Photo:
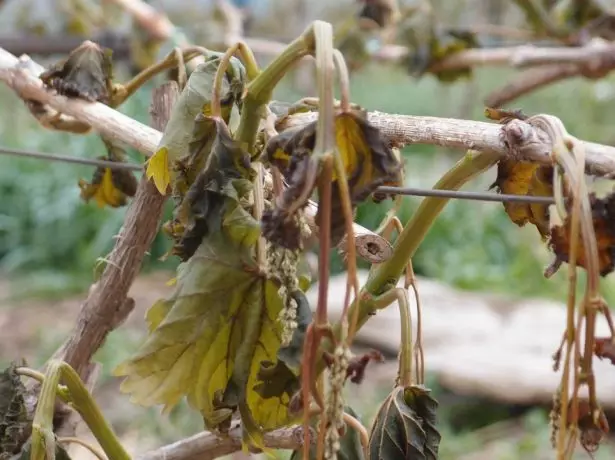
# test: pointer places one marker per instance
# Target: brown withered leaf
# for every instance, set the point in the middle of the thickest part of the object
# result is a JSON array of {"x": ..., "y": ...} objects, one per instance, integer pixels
[
  {"x": 530, "y": 179},
  {"x": 380, "y": 12},
  {"x": 405, "y": 426},
  {"x": 86, "y": 74},
  {"x": 368, "y": 160},
  {"x": 213, "y": 199},
  {"x": 604, "y": 347},
  {"x": 110, "y": 187},
  {"x": 592, "y": 430},
  {"x": 603, "y": 218}
]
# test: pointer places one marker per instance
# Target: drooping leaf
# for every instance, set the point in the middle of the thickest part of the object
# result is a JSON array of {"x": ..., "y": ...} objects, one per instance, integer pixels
[
  {"x": 368, "y": 162},
  {"x": 429, "y": 42},
  {"x": 184, "y": 146},
  {"x": 212, "y": 342},
  {"x": 350, "y": 443},
  {"x": 215, "y": 194},
  {"x": 593, "y": 425},
  {"x": 603, "y": 218},
  {"x": 110, "y": 187},
  {"x": 13, "y": 413},
  {"x": 525, "y": 178},
  {"x": 405, "y": 426},
  {"x": 86, "y": 73}
]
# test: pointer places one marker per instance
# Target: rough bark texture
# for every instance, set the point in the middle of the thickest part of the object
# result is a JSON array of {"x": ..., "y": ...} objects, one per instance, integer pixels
[
  {"x": 206, "y": 446},
  {"x": 107, "y": 305}
]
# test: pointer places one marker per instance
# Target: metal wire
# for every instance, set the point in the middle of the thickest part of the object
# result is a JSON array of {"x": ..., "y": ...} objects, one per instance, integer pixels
[{"x": 410, "y": 191}]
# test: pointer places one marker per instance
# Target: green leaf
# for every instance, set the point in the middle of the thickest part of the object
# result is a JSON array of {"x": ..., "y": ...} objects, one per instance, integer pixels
[
  {"x": 405, "y": 426},
  {"x": 13, "y": 413},
  {"x": 86, "y": 73},
  {"x": 186, "y": 141}
]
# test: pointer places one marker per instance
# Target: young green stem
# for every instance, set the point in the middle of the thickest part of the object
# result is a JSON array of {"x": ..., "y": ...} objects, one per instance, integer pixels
[
  {"x": 406, "y": 354},
  {"x": 82, "y": 402},
  {"x": 258, "y": 92},
  {"x": 147, "y": 74},
  {"x": 386, "y": 274}
]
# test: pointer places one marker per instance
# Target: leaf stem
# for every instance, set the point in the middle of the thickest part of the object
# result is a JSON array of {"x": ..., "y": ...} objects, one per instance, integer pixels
[
  {"x": 82, "y": 402},
  {"x": 259, "y": 90},
  {"x": 145, "y": 75}
]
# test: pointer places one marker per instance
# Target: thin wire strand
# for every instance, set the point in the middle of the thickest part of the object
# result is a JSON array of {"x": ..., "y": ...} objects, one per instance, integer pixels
[
  {"x": 70, "y": 159},
  {"x": 409, "y": 191}
]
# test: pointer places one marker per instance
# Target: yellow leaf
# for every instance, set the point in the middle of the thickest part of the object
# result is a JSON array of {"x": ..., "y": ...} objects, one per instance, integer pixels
[
  {"x": 158, "y": 170},
  {"x": 524, "y": 178}
]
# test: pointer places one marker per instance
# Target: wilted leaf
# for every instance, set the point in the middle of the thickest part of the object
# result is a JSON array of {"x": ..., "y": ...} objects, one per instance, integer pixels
[
  {"x": 381, "y": 12},
  {"x": 185, "y": 145},
  {"x": 210, "y": 346},
  {"x": 604, "y": 347},
  {"x": 603, "y": 218},
  {"x": 405, "y": 426},
  {"x": 110, "y": 187},
  {"x": 429, "y": 42},
  {"x": 350, "y": 443},
  {"x": 13, "y": 413},
  {"x": 592, "y": 429},
  {"x": 530, "y": 179},
  {"x": 86, "y": 73},
  {"x": 368, "y": 161},
  {"x": 216, "y": 191}
]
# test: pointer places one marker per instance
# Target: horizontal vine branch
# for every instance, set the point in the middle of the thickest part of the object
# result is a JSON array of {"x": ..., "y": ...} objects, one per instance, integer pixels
[
  {"x": 401, "y": 130},
  {"x": 206, "y": 446}
]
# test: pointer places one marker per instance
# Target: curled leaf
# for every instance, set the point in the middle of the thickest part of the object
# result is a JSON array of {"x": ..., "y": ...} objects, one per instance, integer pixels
[
  {"x": 603, "y": 219},
  {"x": 405, "y": 426},
  {"x": 429, "y": 42},
  {"x": 368, "y": 161},
  {"x": 183, "y": 146},
  {"x": 530, "y": 179},
  {"x": 216, "y": 191},
  {"x": 110, "y": 187},
  {"x": 86, "y": 73},
  {"x": 592, "y": 426},
  {"x": 14, "y": 420}
]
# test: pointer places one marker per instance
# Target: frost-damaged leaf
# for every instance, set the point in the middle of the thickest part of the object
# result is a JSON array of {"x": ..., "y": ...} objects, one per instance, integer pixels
[
  {"x": 214, "y": 197},
  {"x": 603, "y": 218},
  {"x": 530, "y": 179},
  {"x": 350, "y": 443},
  {"x": 368, "y": 160},
  {"x": 110, "y": 187},
  {"x": 13, "y": 413},
  {"x": 593, "y": 427},
  {"x": 429, "y": 42},
  {"x": 210, "y": 346},
  {"x": 405, "y": 426},
  {"x": 604, "y": 347},
  {"x": 86, "y": 73},
  {"x": 185, "y": 145}
]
